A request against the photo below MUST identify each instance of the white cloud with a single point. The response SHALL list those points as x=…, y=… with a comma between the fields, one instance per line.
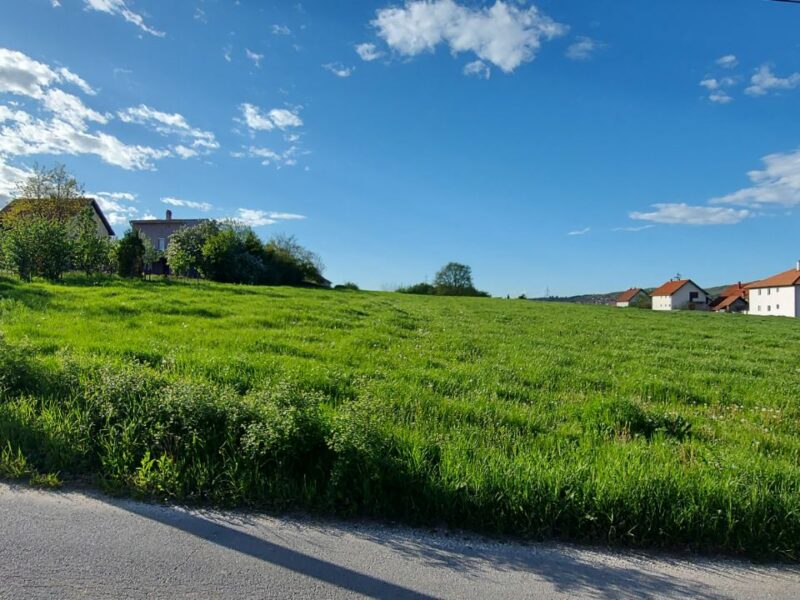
x=227, y=53
x=113, y=205
x=202, y=206
x=281, y=118
x=287, y=158
x=339, y=69
x=257, y=218
x=171, y=124
x=717, y=88
x=368, y=52
x=765, y=81
x=580, y=231
x=24, y=76
x=281, y=30
x=67, y=129
x=582, y=48
x=503, y=34
x=478, y=68
x=634, y=229
x=10, y=176
x=684, y=214
x=120, y=8
x=254, y=56
x=777, y=184
x=729, y=61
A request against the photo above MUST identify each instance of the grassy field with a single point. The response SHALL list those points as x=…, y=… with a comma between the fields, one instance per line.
x=537, y=420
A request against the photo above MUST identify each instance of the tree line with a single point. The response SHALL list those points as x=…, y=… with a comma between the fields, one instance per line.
x=47, y=237
x=454, y=279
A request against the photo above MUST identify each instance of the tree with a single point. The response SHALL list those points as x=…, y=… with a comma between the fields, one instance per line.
x=130, y=255
x=454, y=279
x=55, y=183
x=185, y=250
x=90, y=252
x=293, y=264
x=38, y=246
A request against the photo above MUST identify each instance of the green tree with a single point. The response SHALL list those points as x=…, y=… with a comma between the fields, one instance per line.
x=55, y=183
x=37, y=246
x=130, y=255
x=90, y=251
x=185, y=250
x=291, y=263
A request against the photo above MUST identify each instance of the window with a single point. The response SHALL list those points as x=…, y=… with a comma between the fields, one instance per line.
x=769, y=291
x=162, y=244
x=693, y=296
x=777, y=307
x=759, y=291
x=769, y=308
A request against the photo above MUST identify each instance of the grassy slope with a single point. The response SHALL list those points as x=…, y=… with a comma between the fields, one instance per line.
x=533, y=419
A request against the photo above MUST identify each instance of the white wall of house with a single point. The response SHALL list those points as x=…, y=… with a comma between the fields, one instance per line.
x=623, y=304
x=775, y=301
x=662, y=302
x=680, y=300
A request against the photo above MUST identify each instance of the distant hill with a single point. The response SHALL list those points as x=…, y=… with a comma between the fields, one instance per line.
x=611, y=297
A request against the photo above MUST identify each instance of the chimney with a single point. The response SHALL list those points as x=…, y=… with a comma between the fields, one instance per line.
x=169, y=215
x=798, y=265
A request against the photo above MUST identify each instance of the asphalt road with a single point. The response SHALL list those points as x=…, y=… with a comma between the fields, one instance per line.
x=77, y=545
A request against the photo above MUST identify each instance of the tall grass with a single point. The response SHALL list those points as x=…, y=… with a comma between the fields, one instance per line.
x=507, y=417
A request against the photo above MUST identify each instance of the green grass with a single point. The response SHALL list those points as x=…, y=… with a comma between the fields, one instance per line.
x=536, y=420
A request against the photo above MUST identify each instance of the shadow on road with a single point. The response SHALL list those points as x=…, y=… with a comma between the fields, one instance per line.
x=275, y=554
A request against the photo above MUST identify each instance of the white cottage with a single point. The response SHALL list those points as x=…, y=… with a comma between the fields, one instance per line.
x=777, y=296
x=680, y=294
x=633, y=297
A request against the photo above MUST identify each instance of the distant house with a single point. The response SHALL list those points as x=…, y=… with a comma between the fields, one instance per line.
x=157, y=231
x=64, y=209
x=777, y=296
x=732, y=299
x=633, y=297
x=680, y=294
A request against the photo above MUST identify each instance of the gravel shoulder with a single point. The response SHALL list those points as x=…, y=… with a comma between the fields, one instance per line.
x=76, y=544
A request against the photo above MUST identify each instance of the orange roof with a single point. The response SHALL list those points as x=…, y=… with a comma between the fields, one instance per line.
x=669, y=288
x=728, y=301
x=787, y=278
x=629, y=295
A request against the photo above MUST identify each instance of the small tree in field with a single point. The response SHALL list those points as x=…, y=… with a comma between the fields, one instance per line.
x=38, y=246
x=90, y=252
x=130, y=255
x=185, y=251
x=455, y=279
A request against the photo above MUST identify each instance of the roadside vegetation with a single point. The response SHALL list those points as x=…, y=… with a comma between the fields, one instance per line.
x=535, y=420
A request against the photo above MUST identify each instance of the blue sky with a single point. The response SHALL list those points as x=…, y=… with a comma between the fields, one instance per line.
x=575, y=146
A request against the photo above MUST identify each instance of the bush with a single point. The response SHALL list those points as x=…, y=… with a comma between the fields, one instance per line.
x=37, y=246
x=130, y=255
x=349, y=285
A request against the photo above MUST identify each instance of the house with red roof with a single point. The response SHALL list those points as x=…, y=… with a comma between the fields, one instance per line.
x=732, y=299
x=680, y=294
x=634, y=297
x=777, y=296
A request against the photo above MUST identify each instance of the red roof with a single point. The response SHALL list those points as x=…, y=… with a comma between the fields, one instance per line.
x=787, y=278
x=728, y=301
x=629, y=295
x=669, y=288
x=736, y=289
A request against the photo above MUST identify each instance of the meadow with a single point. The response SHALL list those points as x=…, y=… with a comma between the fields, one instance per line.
x=508, y=417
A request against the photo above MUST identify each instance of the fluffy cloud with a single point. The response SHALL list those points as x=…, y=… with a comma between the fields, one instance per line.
x=172, y=124
x=281, y=118
x=684, y=214
x=120, y=8
x=9, y=178
x=24, y=76
x=777, y=184
x=368, y=52
x=202, y=206
x=339, y=69
x=115, y=206
x=583, y=48
x=717, y=88
x=729, y=61
x=765, y=81
x=504, y=34
x=67, y=126
x=257, y=218
x=478, y=68
x=281, y=30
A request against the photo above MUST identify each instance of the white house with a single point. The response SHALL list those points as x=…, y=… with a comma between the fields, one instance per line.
x=777, y=296
x=633, y=297
x=680, y=294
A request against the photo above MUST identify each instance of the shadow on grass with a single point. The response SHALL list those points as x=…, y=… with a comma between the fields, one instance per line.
x=31, y=296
